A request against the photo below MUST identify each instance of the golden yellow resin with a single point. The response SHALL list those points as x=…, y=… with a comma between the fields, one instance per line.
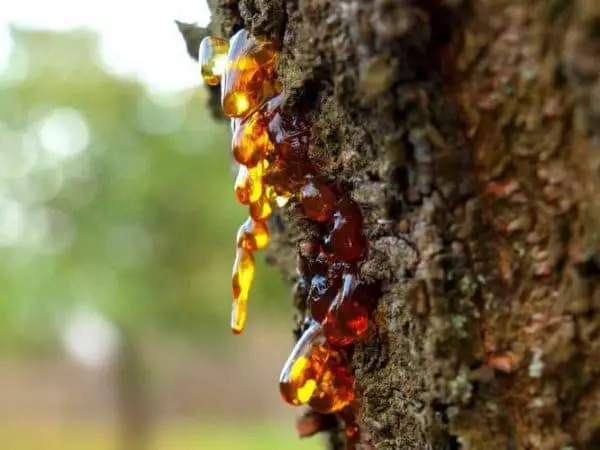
x=250, y=77
x=241, y=186
x=213, y=59
x=242, y=276
x=261, y=209
x=252, y=235
x=251, y=142
x=303, y=370
x=335, y=389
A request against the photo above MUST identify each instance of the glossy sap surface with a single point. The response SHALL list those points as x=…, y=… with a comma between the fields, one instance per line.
x=212, y=56
x=250, y=75
x=304, y=367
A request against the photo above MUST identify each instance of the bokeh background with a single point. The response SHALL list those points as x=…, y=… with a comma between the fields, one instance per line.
x=117, y=227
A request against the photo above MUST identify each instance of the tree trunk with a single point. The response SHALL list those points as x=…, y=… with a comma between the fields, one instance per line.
x=133, y=411
x=468, y=133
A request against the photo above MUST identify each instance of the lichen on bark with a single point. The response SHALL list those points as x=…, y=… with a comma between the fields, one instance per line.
x=468, y=134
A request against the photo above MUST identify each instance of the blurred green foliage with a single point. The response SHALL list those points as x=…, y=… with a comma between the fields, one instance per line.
x=114, y=197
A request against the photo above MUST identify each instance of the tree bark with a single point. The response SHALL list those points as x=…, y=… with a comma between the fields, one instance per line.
x=468, y=133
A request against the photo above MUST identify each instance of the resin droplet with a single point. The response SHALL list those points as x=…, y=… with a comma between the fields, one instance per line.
x=242, y=185
x=243, y=274
x=212, y=57
x=348, y=317
x=346, y=240
x=302, y=371
x=250, y=77
x=261, y=209
x=335, y=388
x=320, y=296
x=251, y=142
x=317, y=199
x=239, y=313
x=252, y=235
x=256, y=184
x=248, y=186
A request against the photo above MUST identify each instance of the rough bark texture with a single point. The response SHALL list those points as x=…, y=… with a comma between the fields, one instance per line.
x=468, y=133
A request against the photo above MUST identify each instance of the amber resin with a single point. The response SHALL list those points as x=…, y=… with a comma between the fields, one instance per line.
x=250, y=78
x=317, y=199
x=335, y=387
x=212, y=56
x=271, y=146
x=305, y=366
x=316, y=374
x=251, y=143
x=243, y=274
x=347, y=318
x=252, y=235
